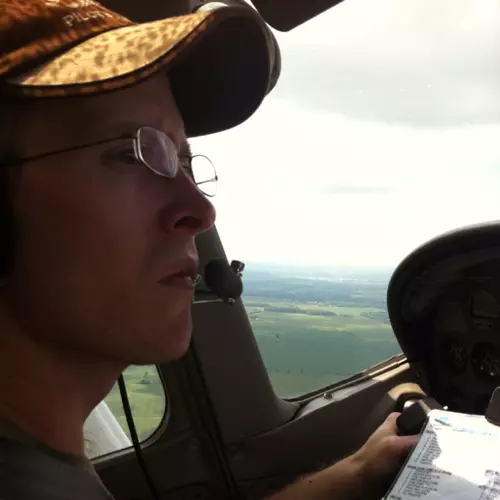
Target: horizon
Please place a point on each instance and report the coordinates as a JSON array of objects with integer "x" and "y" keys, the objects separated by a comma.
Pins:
[{"x": 318, "y": 267}]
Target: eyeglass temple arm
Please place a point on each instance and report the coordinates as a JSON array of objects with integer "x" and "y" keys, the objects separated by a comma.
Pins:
[{"x": 205, "y": 182}]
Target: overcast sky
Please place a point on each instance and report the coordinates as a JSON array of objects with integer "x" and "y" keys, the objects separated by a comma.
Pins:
[{"x": 383, "y": 131}]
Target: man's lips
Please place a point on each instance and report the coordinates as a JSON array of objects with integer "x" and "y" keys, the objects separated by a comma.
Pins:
[{"x": 185, "y": 277}]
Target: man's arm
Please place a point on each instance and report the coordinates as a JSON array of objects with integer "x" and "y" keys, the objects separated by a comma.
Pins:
[{"x": 366, "y": 475}]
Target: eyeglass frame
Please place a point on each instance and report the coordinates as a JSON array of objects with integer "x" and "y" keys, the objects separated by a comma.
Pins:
[{"x": 137, "y": 153}]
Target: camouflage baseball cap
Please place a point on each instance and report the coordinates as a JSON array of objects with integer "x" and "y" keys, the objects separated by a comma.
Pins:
[{"x": 219, "y": 62}]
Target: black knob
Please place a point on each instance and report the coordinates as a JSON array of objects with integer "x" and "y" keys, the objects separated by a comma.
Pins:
[{"x": 412, "y": 419}]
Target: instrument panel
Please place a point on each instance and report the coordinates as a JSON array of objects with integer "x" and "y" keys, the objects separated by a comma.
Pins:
[
  {"x": 443, "y": 302},
  {"x": 465, "y": 355}
]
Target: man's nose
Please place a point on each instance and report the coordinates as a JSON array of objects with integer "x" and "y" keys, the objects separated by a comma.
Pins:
[{"x": 191, "y": 211}]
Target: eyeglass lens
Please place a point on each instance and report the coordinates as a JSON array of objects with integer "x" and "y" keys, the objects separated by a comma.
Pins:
[
  {"x": 204, "y": 175},
  {"x": 159, "y": 153}
]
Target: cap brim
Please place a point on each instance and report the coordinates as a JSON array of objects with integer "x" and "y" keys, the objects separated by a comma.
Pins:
[{"x": 218, "y": 64}]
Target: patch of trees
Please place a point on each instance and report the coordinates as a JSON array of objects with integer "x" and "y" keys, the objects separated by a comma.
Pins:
[
  {"x": 294, "y": 310},
  {"x": 304, "y": 290},
  {"x": 321, "y": 313},
  {"x": 381, "y": 316},
  {"x": 284, "y": 309}
]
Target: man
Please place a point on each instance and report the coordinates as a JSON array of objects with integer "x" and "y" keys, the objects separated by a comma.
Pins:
[{"x": 99, "y": 215}]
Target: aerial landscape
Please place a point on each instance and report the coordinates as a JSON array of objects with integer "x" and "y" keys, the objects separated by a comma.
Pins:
[{"x": 314, "y": 327}]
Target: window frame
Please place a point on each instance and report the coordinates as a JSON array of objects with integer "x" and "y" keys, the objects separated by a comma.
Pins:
[
  {"x": 226, "y": 426},
  {"x": 249, "y": 387}
]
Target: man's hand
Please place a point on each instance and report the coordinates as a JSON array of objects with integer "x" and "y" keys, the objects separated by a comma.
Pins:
[
  {"x": 366, "y": 475},
  {"x": 381, "y": 457}
]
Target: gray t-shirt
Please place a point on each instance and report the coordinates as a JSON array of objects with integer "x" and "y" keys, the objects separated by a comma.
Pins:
[{"x": 32, "y": 471}]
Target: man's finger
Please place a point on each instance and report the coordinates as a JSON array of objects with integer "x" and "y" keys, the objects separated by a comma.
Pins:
[
  {"x": 403, "y": 444},
  {"x": 392, "y": 419},
  {"x": 389, "y": 425}
]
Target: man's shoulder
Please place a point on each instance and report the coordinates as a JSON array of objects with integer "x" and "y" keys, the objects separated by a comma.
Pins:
[{"x": 29, "y": 473}]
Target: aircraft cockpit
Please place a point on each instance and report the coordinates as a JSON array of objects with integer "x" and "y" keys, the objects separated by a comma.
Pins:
[{"x": 313, "y": 316}]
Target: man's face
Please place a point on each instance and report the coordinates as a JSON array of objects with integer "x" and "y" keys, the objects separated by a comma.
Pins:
[{"x": 101, "y": 236}]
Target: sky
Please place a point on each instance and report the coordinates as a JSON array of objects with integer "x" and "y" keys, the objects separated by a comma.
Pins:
[{"x": 383, "y": 132}]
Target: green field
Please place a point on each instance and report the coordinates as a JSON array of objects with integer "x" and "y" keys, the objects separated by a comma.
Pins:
[
  {"x": 313, "y": 329},
  {"x": 147, "y": 400},
  {"x": 304, "y": 351},
  {"x": 317, "y": 327}
]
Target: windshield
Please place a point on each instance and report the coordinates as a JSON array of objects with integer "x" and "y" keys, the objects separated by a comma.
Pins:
[{"x": 380, "y": 134}]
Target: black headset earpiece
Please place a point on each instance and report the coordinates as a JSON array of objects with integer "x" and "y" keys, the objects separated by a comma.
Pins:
[{"x": 225, "y": 280}]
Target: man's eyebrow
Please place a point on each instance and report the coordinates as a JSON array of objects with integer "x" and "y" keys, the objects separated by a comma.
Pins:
[
  {"x": 130, "y": 127},
  {"x": 121, "y": 128}
]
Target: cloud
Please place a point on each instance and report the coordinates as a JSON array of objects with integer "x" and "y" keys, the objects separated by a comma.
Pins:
[
  {"x": 423, "y": 65},
  {"x": 321, "y": 175},
  {"x": 301, "y": 185}
]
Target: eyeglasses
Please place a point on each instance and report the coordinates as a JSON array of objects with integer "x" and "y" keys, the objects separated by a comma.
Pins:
[{"x": 156, "y": 151}]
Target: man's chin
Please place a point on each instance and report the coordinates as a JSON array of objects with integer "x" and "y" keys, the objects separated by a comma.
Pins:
[
  {"x": 160, "y": 355},
  {"x": 171, "y": 346},
  {"x": 181, "y": 349}
]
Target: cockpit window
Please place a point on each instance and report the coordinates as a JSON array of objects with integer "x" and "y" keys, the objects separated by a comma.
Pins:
[{"x": 381, "y": 133}]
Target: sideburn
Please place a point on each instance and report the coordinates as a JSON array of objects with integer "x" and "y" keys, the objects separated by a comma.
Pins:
[{"x": 8, "y": 187}]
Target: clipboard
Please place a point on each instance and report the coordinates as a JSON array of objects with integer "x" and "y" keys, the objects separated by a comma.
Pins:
[{"x": 456, "y": 457}]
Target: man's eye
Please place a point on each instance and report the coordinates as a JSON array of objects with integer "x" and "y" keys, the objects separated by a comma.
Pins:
[{"x": 127, "y": 156}]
